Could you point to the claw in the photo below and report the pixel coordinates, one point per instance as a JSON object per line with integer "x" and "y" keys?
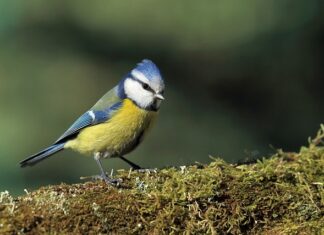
{"x": 141, "y": 170}
{"x": 108, "y": 180}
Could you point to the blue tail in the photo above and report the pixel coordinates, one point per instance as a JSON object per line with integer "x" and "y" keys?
{"x": 32, "y": 160}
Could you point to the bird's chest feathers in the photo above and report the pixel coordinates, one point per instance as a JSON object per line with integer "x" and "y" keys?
{"x": 119, "y": 133}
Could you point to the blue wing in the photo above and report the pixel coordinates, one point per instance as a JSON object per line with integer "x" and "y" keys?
{"x": 90, "y": 118}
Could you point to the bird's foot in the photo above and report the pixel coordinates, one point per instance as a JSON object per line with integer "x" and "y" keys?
{"x": 104, "y": 177}
{"x": 143, "y": 170}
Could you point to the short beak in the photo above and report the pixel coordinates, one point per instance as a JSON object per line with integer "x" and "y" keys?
{"x": 159, "y": 96}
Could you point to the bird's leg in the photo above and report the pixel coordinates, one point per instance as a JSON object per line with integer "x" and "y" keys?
{"x": 137, "y": 167}
{"x": 103, "y": 174}
{"x": 132, "y": 164}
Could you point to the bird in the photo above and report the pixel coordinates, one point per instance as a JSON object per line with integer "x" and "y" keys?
{"x": 117, "y": 123}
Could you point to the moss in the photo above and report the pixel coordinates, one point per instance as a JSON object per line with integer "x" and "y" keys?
{"x": 282, "y": 194}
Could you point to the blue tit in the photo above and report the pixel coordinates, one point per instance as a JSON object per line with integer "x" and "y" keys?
{"x": 117, "y": 123}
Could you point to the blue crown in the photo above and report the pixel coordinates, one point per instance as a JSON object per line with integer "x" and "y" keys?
{"x": 149, "y": 70}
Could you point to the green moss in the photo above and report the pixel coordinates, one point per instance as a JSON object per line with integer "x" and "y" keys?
{"x": 283, "y": 194}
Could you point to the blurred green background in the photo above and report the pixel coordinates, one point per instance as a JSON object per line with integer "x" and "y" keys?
{"x": 240, "y": 77}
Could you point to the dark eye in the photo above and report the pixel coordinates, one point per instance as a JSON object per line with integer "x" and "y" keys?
{"x": 145, "y": 86}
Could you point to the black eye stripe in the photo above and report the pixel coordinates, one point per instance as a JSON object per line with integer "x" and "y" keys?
{"x": 148, "y": 88}
{"x": 145, "y": 85}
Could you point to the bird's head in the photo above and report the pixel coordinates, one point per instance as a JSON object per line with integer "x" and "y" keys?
{"x": 144, "y": 86}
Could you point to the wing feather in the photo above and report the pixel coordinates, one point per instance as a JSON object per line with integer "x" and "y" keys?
{"x": 102, "y": 111}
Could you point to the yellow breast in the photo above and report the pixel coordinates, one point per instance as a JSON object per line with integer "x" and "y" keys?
{"x": 117, "y": 134}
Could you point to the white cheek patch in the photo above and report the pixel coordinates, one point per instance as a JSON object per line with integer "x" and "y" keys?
{"x": 135, "y": 92}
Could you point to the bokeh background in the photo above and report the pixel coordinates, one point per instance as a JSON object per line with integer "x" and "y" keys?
{"x": 242, "y": 78}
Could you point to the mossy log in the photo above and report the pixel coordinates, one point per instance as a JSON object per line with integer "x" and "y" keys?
{"x": 282, "y": 194}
